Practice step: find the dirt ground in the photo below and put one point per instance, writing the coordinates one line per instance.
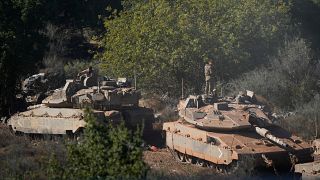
(163, 161)
(163, 166)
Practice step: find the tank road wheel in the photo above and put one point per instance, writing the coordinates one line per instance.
(232, 168)
(200, 162)
(189, 159)
(211, 165)
(180, 156)
(221, 168)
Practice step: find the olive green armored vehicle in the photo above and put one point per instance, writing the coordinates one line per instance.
(220, 132)
(62, 112)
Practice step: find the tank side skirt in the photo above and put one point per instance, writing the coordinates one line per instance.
(45, 125)
(199, 149)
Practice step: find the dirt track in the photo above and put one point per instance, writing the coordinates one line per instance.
(163, 161)
(163, 166)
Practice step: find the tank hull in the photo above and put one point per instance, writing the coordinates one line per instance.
(227, 148)
(59, 121)
(309, 170)
(44, 120)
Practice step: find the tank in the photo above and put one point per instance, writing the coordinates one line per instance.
(221, 132)
(310, 170)
(62, 112)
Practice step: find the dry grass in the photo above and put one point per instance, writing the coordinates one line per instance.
(306, 120)
(24, 158)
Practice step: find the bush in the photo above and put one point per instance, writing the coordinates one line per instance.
(289, 79)
(105, 151)
(306, 121)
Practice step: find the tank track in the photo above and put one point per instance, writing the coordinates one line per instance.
(188, 159)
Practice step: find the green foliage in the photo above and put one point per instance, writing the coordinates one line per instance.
(306, 15)
(79, 13)
(54, 169)
(290, 78)
(21, 45)
(125, 153)
(164, 41)
(105, 152)
(88, 158)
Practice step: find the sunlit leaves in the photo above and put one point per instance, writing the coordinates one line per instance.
(165, 41)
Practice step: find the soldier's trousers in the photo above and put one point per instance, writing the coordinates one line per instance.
(209, 87)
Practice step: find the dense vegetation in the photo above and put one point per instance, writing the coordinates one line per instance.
(164, 41)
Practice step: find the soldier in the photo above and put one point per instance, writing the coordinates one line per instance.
(208, 72)
(85, 73)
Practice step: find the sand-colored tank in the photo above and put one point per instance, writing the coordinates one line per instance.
(221, 132)
(61, 113)
(311, 170)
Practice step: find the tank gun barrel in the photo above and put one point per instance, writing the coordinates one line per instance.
(257, 123)
(266, 133)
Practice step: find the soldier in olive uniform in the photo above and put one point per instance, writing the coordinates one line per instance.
(208, 72)
(85, 73)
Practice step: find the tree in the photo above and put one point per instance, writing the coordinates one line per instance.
(289, 79)
(21, 46)
(79, 13)
(164, 41)
(306, 15)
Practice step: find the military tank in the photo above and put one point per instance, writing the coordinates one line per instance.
(221, 132)
(61, 113)
(310, 170)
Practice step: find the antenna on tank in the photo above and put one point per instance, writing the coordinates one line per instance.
(135, 79)
(182, 93)
(99, 79)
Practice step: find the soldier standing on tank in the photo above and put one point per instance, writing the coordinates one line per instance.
(208, 72)
(85, 73)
